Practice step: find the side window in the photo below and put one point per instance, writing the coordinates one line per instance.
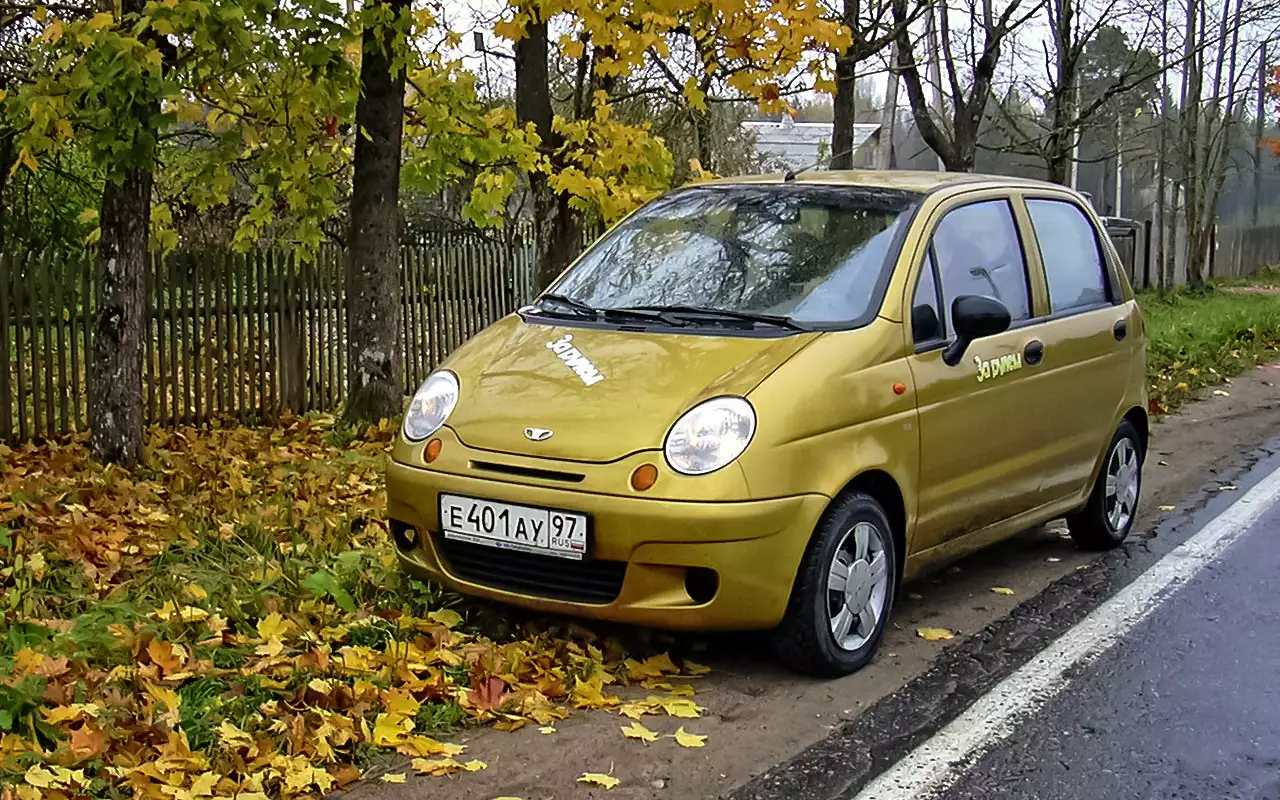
(1073, 264)
(926, 309)
(979, 252)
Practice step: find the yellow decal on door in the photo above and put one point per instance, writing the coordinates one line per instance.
(995, 367)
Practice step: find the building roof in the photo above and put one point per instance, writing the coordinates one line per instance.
(799, 144)
(906, 180)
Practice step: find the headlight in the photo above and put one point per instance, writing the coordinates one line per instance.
(431, 405)
(710, 435)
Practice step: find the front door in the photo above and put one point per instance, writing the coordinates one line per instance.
(981, 437)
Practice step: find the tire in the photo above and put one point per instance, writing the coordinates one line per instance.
(1106, 519)
(806, 640)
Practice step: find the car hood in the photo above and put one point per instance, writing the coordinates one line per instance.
(603, 394)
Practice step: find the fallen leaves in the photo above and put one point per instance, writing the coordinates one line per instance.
(934, 634)
(671, 705)
(1002, 590)
(599, 779)
(445, 766)
(230, 621)
(685, 739)
(637, 731)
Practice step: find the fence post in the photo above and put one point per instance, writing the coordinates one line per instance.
(291, 362)
(6, 402)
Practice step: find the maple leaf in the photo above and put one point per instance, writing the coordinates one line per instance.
(233, 737)
(1002, 590)
(436, 766)
(488, 694)
(167, 656)
(590, 694)
(599, 779)
(446, 617)
(694, 668)
(397, 701)
(87, 742)
(392, 777)
(681, 707)
(934, 634)
(685, 739)
(390, 730)
(637, 731)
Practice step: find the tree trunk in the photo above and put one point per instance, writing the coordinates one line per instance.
(888, 118)
(375, 389)
(1193, 152)
(554, 222)
(844, 107)
(702, 138)
(115, 361)
(1058, 145)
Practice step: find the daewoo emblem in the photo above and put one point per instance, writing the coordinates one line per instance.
(537, 434)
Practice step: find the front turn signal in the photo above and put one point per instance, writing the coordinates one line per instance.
(646, 475)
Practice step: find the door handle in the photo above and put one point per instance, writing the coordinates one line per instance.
(1033, 352)
(1120, 330)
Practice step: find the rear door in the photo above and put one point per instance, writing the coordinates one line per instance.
(981, 438)
(1086, 344)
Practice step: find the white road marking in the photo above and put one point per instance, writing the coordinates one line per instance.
(939, 762)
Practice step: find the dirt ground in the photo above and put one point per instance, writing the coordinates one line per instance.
(757, 714)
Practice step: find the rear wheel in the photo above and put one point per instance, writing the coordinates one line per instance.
(844, 590)
(1107, 519)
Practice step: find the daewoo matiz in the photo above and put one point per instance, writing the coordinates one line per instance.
(765, 403)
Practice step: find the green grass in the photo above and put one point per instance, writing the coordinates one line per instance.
(1198, 339)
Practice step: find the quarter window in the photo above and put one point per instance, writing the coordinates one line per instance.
(926, 315)
(978, 252)
(1073, 265)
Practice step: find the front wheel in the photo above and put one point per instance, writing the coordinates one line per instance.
(844, 590)
(1108, 517)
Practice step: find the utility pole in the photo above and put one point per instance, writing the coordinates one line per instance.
(888, 115)
(1119, 168)
(1075, 142)
(1260, 130)
(935, 67)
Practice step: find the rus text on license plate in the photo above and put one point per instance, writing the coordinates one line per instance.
(543, 531)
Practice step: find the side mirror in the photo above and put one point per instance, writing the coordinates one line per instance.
(974, 317)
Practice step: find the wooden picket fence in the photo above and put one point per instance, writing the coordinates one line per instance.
(233, 336)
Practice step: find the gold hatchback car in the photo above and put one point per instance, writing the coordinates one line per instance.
(766, 403)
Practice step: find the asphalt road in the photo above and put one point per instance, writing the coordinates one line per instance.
(1154, 673)
(1185, 706)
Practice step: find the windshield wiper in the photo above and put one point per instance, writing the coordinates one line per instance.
(576, 307)
(643, 315)
(726, 314)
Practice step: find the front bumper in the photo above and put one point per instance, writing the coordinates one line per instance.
(753, 547)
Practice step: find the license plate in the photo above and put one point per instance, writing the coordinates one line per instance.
(543, 531)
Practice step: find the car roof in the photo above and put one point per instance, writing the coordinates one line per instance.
(905, 180)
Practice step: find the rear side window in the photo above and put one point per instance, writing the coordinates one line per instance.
(1073, 264)
(978, 252)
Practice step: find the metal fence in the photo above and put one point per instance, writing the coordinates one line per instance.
(1233, 251)
(237, 336)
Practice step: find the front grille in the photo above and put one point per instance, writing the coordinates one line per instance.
(529, 472)
(586, 581)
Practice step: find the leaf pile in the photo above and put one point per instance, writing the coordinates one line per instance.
(229, 620)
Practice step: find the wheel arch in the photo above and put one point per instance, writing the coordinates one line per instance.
(1137, 416)
(885, 489)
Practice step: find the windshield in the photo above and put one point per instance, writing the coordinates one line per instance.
(808, 254)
